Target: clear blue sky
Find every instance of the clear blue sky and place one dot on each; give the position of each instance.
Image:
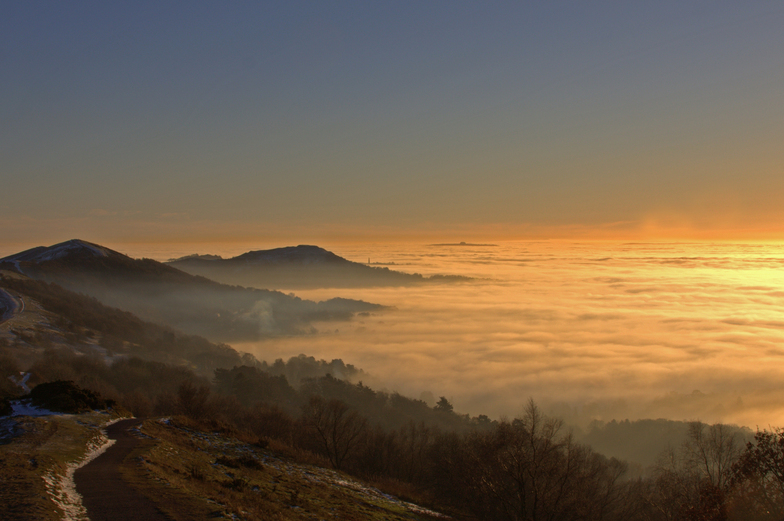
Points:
(196, 121)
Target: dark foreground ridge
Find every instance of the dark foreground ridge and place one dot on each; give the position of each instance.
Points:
(106, 496)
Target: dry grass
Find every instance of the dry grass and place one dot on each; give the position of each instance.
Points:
(190, 473)
(41, 453)
(211, 472)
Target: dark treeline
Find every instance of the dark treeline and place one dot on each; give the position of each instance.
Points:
(641, 441)
(528, 468)
(300, 368)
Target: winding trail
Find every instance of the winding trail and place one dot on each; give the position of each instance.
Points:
(105, 495)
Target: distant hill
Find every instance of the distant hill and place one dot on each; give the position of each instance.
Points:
(73, 249)
(161, 293)
(299, 267)
(468, 244)
(56, 318)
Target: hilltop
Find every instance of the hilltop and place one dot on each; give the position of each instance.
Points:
(72, 248)
(299, 267)
(162, 293)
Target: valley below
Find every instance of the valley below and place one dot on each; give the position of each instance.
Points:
(625, 360)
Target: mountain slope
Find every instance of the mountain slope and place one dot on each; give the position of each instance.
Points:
(55, 317)
(160, 293)
(187, 473)
(298, 267)
(72, 248)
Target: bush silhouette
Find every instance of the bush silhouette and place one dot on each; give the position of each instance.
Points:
(66, 396)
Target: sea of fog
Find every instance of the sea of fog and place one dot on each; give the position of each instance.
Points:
(589, 330)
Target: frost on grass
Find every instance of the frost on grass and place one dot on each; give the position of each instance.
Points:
(25, 408)
(62, 488)
(316, 475)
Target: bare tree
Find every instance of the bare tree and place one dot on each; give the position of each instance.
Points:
(711, 452)
(526, 470)
(192, 400)
(693, 482)
(759, 477)
(337, 428)
(415, 438)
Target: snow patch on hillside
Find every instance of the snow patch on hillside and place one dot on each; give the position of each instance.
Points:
(62, 488)
(24, 408)
(63, 249)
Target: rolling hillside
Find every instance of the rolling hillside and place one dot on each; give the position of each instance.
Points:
(160, 293)
(300, 267)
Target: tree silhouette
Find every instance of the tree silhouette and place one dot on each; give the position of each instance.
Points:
(443, 405)
(338, 429)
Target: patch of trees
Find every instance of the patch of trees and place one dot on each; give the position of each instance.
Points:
(65, 396)
(8, 367)
(758, 477)
(529, 469)
(641, 440)
(5, 406)
(142, 386)
(251, 386)
(300, 368)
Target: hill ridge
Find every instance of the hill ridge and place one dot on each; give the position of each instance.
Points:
(68, 248)
(300, 267)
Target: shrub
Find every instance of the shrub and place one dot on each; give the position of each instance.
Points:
(65, 396)
(5, 407)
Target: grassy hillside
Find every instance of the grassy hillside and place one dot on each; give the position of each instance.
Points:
(35, 462)
(188, 472)
(56, 317)
(224, 475)
(156, 292)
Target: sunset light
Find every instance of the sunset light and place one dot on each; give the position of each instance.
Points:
(399, 260)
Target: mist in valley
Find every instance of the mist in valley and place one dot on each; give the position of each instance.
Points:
(590, 331)
(159, 293)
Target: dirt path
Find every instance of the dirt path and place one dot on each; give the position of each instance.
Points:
(105, 495)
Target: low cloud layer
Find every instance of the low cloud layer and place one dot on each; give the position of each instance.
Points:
(593, 331)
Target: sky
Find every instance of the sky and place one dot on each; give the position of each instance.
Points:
(292, 122)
